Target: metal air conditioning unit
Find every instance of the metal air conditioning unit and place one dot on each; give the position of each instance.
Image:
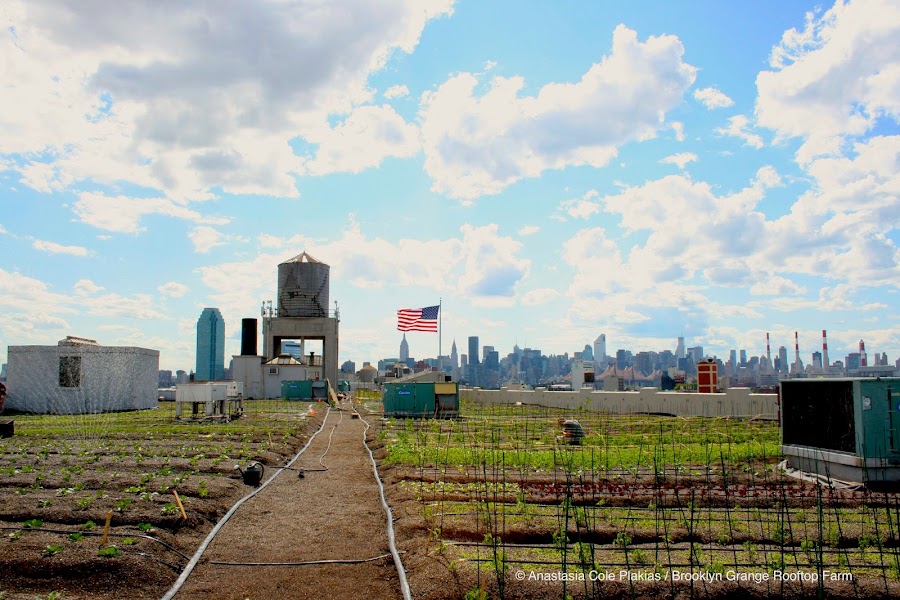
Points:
(843, 429)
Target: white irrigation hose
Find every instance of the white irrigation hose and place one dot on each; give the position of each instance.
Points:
(176, 587)
(404, 585)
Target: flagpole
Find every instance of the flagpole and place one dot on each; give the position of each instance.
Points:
(440, 326)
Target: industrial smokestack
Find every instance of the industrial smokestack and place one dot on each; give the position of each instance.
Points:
(768, 349)
(825, 363)
(796, 348)
(248, 337)
(863, 362)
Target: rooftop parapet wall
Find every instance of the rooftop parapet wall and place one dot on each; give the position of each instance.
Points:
(735, 402)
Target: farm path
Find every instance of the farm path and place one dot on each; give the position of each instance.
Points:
(334, 514)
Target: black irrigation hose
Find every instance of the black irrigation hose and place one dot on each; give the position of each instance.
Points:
(401, 572)
(95, 533)
(215, 530)
(336, 561)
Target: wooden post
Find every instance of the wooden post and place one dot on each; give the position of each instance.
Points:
(180, 505)
(105, 538)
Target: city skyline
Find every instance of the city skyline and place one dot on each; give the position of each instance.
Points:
(712, 171)
(738, 356)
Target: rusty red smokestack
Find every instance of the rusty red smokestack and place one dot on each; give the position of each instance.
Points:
(825, 363)
(862, 354)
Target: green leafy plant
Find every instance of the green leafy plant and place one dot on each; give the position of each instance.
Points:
(476, 594)
(145, 527)
(129, 541)
(109, 552)
(15, 535)
(51, 549)
(169, 509)
(74, 537)
(88, 526)
(32, 523)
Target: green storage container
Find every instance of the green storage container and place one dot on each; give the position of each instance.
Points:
(296, 390)
(421, 399)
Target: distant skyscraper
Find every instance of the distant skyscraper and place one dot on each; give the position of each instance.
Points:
(210, 346)
(404, 350)
(600, 349)
(454, 357)
(782, 358)
(588, 353)
(679, 349)
(743, 358)
(473, 350)
(293, 348)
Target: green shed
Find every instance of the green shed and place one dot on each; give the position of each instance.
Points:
(413, 399)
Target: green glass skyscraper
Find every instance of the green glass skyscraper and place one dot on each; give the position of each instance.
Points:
(210, 346)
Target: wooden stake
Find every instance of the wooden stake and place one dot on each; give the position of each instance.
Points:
(106, 528)
(180, 505)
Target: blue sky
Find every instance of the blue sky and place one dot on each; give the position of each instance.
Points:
(549, 171)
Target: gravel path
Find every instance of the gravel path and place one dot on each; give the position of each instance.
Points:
(325, 515)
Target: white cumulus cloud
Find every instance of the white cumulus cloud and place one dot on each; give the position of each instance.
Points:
(363, 140)
(712, 98)
(540, 296)
(477, 145)
(122, 214)
(86, 287)
(833, 78)
(54, 248)
(186, 98)
(681, 159)
(173, 289)
(206, 238)
(739, 126)
(581, 208)
(396, 91)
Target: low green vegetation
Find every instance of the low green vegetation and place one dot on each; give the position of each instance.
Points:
(641, 492)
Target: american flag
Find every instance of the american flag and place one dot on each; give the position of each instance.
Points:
(418, 319)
